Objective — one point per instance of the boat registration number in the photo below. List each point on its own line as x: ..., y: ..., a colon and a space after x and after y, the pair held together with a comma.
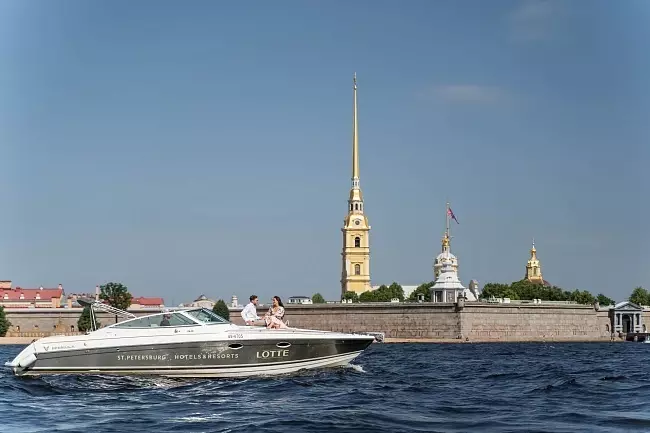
x: 235, y: 335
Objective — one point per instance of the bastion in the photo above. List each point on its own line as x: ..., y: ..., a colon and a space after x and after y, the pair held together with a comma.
x: 426, y: 321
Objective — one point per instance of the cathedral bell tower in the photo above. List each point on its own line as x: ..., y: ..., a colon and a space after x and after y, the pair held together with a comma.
x: 533, y: 268
x: 355, y: 274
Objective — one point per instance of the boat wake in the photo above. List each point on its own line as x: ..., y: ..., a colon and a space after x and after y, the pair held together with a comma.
x: 357, y: 368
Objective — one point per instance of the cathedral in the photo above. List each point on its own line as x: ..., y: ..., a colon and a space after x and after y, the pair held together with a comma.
x: 355, y: 273
x: 534, y: 268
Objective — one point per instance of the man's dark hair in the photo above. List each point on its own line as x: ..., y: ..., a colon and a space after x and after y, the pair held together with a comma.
x: 253, y: 297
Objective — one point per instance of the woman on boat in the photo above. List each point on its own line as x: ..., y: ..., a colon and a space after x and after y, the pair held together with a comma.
x: 273, y: 317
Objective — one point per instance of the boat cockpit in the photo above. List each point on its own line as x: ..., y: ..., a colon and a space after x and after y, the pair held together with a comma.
x: 183, y: 317
x: 193, y: 317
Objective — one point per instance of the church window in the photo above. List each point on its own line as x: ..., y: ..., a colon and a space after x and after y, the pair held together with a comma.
x: 356, y: 206
x: 357, y: 242
x: 357, y: 269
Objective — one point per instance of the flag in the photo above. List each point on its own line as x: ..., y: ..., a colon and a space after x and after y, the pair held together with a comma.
x: 451, y: 214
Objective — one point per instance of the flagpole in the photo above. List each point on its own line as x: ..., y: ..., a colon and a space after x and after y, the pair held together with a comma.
x: 447, y: 218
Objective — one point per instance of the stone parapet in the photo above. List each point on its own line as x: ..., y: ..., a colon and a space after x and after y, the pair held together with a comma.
x: 408, y: 321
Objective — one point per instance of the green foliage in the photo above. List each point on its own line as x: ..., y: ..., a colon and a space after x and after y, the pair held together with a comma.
x: 351, y: 295
x: 318, y: 299
x: 640, y: 296
x: 582, y: 297
x: 524, y: 289
x: 383, y: 294
x: 604, y: 300
x: 220, y: 308
x: 424, y: 289
x: 85, y: 321
x: 368, y: 296
x: 4, y: 322
x: 116, y: 294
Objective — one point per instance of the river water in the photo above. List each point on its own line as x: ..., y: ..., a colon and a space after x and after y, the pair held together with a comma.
x: 557, y: 387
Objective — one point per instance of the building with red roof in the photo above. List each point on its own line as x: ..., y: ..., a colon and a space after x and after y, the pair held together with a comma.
x: 143, y: 302
x: 19, y: 297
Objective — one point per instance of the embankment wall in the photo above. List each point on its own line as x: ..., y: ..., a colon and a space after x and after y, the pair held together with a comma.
x: 473, y: 321
x: 43, y: 322
x: 426, y: 321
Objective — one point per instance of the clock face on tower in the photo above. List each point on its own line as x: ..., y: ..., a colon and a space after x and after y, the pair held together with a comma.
x: 357, y: 222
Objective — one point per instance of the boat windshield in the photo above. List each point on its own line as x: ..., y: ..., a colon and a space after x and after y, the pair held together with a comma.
x: 155, y: 320
x: 204, y: 315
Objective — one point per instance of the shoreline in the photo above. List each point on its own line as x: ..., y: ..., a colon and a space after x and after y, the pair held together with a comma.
x: 388, y: 340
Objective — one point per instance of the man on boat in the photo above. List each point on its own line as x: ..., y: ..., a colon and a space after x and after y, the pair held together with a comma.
x: 249, y: 313
x: 166, y: 317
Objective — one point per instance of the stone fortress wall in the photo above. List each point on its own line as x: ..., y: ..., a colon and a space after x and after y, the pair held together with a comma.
x: 423, y: 321
x: 473, y: 321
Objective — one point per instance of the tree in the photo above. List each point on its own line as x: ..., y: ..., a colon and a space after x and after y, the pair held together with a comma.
x: 640, y: 296
x: 527, y: 290
x: 383, y: 294
x: 221, y: 309
x: 351, y: 295
x: 604, y: 300
x: 318, y: 299
x: 85, y: 321
x: 494, y: 290
x: 424, y: 289
x: 116, y: 294
x: 369, y: 296
x: 582, y: 297
x: 396, y: 291
x: 4, y: 322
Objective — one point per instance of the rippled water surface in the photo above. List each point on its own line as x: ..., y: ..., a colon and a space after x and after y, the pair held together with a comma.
x: 559, y: 387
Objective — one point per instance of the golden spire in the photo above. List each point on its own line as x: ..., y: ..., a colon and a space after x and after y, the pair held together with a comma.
x: 355, y: 134
x: 533, y: 251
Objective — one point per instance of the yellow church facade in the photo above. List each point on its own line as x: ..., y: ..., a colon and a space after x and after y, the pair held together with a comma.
x: 355, y: 273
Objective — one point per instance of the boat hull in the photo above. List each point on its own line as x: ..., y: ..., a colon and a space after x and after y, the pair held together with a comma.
x: 198, y: 359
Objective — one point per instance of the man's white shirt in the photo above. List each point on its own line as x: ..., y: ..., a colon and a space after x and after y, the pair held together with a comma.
x: 249, y: 313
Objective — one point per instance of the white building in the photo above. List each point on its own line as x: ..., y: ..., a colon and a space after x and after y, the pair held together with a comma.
x: 201, y: 301
x: 447, y: 286
x: 300, y: 300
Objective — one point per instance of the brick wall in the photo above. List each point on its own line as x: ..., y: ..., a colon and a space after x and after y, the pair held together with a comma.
x: 395, y: 320
x: 53, y: 320
x: 533, y: 322
x: 528, y: 322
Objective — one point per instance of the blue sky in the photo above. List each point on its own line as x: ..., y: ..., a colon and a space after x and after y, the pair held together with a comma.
x: 204, y: 147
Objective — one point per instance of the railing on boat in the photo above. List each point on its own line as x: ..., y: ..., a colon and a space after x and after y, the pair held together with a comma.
x: 102, y: 307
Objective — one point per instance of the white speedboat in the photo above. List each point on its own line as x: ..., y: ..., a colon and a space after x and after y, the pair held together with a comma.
x: 186, y: 343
